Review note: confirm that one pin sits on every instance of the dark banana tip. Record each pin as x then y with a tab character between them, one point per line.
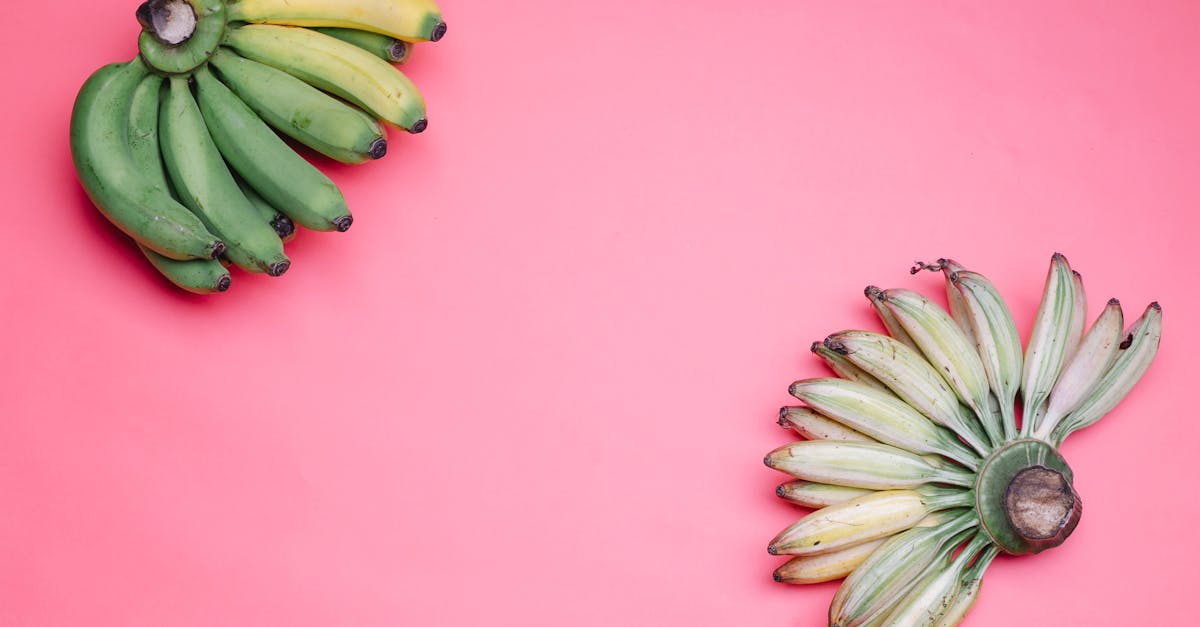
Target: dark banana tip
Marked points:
223	283
779	491
378	149
1155	306
772	550
343	223
278	268
397	52
1114	302
216	250
783	414
283	226
873	293
438	32
776	577
836	346
767	461
419	126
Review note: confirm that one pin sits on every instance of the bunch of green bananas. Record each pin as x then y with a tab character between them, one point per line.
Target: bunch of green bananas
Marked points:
181	147
917	464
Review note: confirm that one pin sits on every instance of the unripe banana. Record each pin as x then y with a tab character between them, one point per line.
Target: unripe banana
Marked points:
889	572
114	182
266	162
996	340
410	20
206	186
1047	348
947	349
283	225
968	590
1137	352
861	465
199	276
937	589
301	111
881	416
342	69
1083	371
911	378
387	48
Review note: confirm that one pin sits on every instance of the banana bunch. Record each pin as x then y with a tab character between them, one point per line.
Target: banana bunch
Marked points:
935	448
183	149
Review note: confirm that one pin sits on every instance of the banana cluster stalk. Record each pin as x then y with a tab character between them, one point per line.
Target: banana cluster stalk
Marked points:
183	147
935	448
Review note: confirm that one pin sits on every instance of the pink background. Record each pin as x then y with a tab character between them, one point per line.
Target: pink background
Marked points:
534	383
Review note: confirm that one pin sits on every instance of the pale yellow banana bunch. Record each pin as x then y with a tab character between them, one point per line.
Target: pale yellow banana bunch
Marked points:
934	449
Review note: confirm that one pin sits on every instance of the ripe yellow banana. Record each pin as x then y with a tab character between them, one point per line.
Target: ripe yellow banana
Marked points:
409	20
337	67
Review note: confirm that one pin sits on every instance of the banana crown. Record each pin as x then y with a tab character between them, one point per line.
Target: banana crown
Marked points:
935	447
182	148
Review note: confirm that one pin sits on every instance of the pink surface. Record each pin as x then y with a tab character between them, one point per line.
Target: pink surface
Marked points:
534	383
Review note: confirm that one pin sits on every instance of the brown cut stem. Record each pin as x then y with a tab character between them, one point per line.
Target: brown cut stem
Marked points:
1042	506
170	21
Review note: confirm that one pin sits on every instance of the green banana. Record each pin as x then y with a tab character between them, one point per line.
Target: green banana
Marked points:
283	225
411	20
342	69
112	179
385	47
206	186
283	178
301	111
201	276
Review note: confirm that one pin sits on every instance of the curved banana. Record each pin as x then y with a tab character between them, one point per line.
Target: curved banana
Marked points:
888	573
912	379
342	69
1137	351
385	47
942	342
817	495
881	416
862	465
862	519
283	225
283	178
825	566
119	189
1047	347
813	426
200	276
301	111
410	20
996	340
206	186
1083	371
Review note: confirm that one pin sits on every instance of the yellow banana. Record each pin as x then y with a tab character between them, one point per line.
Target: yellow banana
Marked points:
409	20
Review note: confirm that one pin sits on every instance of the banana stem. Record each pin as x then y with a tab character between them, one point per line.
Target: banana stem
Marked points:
170	21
